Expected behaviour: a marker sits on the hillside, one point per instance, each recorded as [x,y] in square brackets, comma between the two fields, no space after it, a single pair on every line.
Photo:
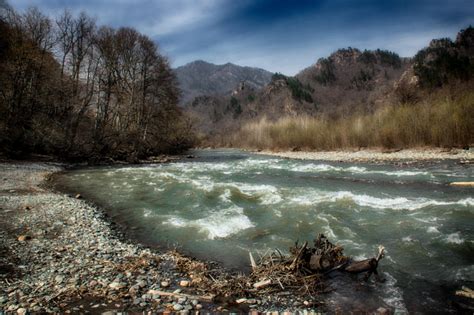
[348,82]
[200,78]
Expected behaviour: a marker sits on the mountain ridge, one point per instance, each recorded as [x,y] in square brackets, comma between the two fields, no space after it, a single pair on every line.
[202,78]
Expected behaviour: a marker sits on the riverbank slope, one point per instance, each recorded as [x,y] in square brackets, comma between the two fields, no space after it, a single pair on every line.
[59,254]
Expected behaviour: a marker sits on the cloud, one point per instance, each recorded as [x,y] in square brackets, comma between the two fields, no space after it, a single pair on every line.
[278,35]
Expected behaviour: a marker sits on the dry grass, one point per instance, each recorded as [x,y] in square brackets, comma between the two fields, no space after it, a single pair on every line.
[445,119]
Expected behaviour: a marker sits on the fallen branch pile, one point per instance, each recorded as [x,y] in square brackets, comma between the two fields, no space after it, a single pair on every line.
[299,273]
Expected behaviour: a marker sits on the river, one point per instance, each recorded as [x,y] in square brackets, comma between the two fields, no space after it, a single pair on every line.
[224,203]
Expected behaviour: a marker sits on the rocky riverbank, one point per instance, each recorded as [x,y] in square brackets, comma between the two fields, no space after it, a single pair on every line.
[379,156]
[59,254]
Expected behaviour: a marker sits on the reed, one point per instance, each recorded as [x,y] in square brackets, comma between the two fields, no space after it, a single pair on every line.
[441,120]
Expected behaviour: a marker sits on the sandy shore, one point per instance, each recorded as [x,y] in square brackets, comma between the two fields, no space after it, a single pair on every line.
[59,254]
[379,156]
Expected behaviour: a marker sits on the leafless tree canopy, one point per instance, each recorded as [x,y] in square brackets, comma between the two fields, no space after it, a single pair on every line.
[71,88]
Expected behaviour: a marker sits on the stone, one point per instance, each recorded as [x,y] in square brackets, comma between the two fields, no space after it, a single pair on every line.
[165,284]
[12,307]
[184,283]
[182,300]
[137,301]
[116,285]
[177,307]
[198,306]
[59,279]
[21,311]
[382,311]
[23,238]
[78,196]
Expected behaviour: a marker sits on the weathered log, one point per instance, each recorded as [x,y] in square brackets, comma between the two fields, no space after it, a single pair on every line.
[362,266]
[368,265]
[463,184]
[465,292]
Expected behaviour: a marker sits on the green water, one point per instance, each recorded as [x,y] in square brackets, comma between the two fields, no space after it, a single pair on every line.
[225,203]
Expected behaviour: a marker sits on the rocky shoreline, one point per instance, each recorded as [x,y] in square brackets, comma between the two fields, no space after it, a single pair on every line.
[59,255]
[408,156]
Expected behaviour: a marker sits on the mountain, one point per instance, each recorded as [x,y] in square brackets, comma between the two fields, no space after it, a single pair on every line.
[199,78]
[349,79]
[346,82]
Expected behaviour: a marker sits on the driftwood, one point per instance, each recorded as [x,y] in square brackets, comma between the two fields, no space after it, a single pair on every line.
[465,292]
[368,265]
[301,272]
[462,184]
[306,265]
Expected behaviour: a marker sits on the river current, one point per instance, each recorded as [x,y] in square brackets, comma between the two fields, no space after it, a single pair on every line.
[224,203]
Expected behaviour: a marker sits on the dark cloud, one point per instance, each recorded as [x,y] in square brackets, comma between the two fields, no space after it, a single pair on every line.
[278,35]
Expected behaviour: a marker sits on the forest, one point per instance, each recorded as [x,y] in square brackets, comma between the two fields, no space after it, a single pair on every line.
[75,90]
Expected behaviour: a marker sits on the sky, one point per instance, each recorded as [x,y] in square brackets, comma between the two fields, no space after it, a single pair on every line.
[276,35]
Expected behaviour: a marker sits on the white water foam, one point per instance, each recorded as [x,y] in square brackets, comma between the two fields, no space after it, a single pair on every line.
[454,238]
[393,295]
[147,212]
[432,229]
[221,224]
[267,194]
[397,203]
[317,168]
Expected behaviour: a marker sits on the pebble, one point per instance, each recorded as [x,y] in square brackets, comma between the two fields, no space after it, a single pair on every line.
[116,285]
[23,238]
[165,284]
[178,307]
[21,311]
[184,283]
[58,279]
